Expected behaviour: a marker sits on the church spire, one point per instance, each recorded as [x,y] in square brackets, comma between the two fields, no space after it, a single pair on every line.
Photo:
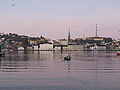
[69,35]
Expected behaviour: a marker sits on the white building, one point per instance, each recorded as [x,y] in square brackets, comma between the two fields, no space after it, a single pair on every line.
[36,47]
[21,48]
[98,47]
[44,47]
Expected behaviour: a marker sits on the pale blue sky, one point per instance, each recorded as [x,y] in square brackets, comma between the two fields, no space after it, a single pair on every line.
[52,18]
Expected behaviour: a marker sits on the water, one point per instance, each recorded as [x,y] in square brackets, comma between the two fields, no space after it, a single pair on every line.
[46,70]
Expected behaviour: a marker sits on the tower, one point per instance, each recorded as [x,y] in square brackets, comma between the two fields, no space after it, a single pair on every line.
[69,35]
[96,31]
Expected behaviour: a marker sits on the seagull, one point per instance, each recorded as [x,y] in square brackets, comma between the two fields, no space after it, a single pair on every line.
[13,4]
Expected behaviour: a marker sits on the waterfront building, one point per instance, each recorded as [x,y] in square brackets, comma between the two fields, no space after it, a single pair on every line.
[20,48]
[36,47]
[29,48]
[75,47]
[63,42]
[60,47]
[112,47]
[31,42]
[98,47]
[44,46]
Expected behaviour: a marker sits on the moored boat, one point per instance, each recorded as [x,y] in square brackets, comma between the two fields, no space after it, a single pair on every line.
[118,53]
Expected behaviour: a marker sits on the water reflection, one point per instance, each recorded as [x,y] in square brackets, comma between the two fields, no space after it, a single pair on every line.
[86,59]
[13,62]
[69,62]
[87,70]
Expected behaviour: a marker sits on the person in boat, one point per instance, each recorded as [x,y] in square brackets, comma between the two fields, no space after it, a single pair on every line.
[67,58]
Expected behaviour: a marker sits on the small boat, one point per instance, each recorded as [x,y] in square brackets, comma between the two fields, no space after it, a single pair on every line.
[67,58]
[118,53]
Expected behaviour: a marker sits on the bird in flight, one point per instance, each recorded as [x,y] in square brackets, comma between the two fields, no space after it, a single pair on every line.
[13,4]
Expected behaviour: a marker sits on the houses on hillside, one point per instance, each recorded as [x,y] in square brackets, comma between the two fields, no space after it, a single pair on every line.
[21,42]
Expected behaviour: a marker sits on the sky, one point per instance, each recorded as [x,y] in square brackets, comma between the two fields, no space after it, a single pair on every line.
[53,18]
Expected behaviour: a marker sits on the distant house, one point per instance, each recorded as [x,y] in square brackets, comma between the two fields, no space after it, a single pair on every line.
[98,47]
[31,42]
[21,48]
[44,46]
[36,47]
[112,47]
[30,48]
[63,42]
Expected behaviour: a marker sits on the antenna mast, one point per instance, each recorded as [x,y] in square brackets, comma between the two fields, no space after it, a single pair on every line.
[96,31]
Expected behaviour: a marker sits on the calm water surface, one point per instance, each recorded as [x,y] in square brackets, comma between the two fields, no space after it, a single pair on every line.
[46,70]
